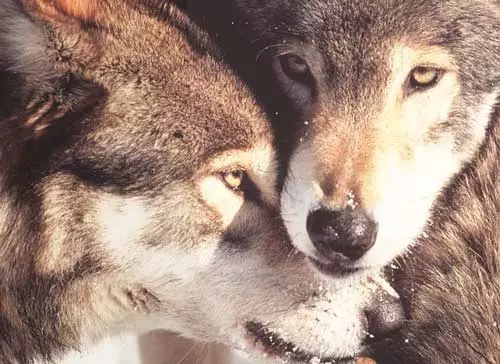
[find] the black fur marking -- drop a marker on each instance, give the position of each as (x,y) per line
(31,153)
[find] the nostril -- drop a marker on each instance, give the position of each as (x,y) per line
(348,232)
(322,225)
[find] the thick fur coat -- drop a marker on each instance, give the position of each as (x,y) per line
(138,192)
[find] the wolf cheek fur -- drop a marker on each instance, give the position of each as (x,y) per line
(137,191)
(450,280)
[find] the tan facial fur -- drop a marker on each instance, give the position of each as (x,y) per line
(260,166)
(391,155)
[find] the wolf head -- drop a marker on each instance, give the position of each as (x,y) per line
(400,95)
(138,192)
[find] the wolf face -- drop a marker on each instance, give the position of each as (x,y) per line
(401,104)
(137,192)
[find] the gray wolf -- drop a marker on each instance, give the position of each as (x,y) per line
(402,105)
(137,192)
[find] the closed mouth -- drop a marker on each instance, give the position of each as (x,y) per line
(334,269)
(273,345)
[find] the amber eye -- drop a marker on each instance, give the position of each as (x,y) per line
(424,77)
(234,179)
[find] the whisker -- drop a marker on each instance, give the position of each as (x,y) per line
(259,54)
(187,353)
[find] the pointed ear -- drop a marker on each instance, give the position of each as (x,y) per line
(54,114)
(24,63)
(85,10)
(33,94)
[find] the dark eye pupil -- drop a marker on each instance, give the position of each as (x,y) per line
(294,66)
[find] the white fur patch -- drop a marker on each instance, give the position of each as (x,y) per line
(217,195)
(299,197)
(121,220)
(121,349)
(332,325)
(124,221)
(408,195)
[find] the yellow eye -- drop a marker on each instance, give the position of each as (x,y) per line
(424,77)
(233,179)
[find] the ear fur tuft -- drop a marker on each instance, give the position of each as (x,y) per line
(23,52)
(33,95)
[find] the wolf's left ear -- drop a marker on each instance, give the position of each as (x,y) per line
(33,93)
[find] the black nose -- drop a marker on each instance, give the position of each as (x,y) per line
(350,232)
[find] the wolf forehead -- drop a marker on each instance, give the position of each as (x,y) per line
(354,38)
(203,105)
(179,107)
(187,127)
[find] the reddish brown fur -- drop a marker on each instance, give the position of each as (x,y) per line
(345,158)
(85,10)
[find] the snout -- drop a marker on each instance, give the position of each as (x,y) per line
(345,232)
